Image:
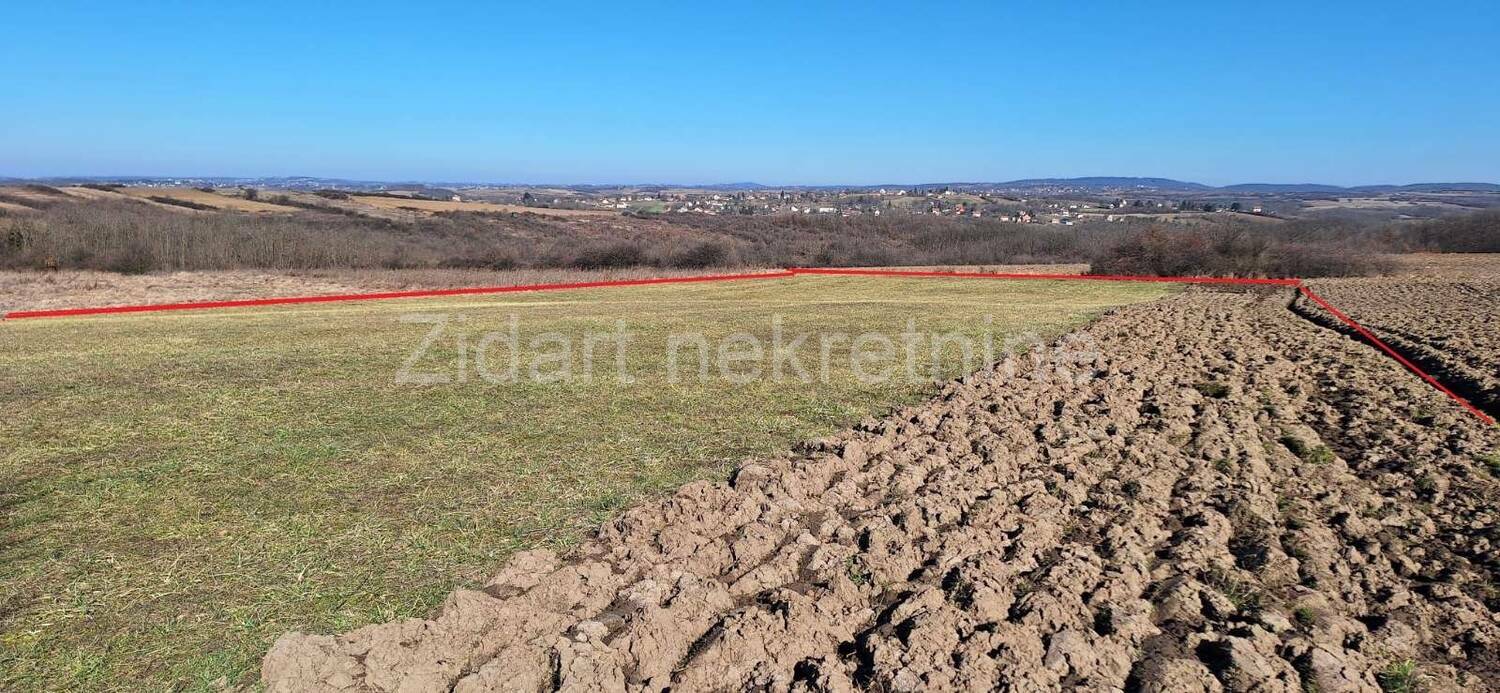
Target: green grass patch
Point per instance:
(1491, 461)
(1319, 454)
(180, 489)
(1214, 390)
(1246, 597)
(1398, 677)
(1305, 617)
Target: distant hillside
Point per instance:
(1273, 188)
(1444, 187)
(1096, 184)
(1282, 188)
(1103, 183)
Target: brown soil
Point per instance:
(1230, 498)
(1447, 265)
(1445, 326)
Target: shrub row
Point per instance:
(128, 236)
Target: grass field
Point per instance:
(473, 206)
(181, 488)
(211, 199)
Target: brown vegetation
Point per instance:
(1238, 252)
(1471, 233)
(205, 199)
(149, 231)
(424, 205)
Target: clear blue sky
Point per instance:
(1330, 91)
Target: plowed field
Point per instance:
(1222, 496)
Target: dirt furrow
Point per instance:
(1209, 494)
(1444, 326)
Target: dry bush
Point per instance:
(714, 253)
(1471, 233)
(1238, 251)
(612, 255)
(130, 236)
(900, 240)
(127, 236)
(178, 202)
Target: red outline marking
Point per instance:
(1394, 354)
(783, 274)
(61, 312)
(1296, 283)
(1065, 277)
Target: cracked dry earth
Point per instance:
(1216, 495)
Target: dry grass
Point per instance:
(92, 193)
(211, 199)
(122, 193)
(434, 206)
(90, 289)
(1060, 268)
(181, 489)
(32, 196)
(119, 194)
(1379, 203)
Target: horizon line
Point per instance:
(744, 183)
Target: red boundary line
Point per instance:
(477, 290)
(428, 293)
(1394, 354)
(790, 272)
(1063, 277)
(1295, 283)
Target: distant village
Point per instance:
(1046, 201)
(1051, 209)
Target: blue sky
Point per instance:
(791, 93)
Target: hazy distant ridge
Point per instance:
(1099, 184)
(1105, 183)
